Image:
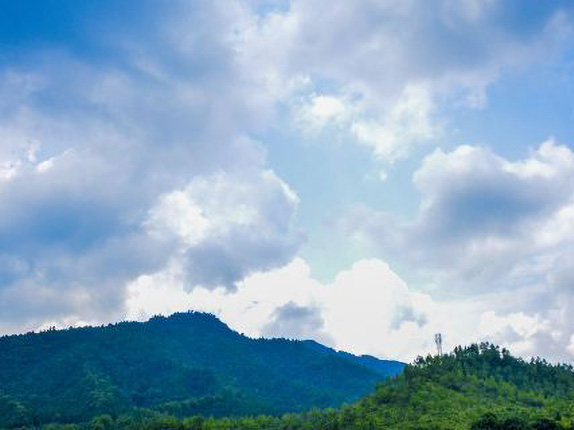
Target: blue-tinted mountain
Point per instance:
(386, 368)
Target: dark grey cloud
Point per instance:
(297, 322)
(223, 263)
(473, 192)
(407, 314)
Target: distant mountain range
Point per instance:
(185, 364)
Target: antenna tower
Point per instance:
(438, 341)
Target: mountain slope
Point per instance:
(185, 364)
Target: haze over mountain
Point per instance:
(185, 364)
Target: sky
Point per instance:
(364, 173)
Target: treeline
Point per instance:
(492, 422)
(314, 420)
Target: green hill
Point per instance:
(182, 365)
(479, 387)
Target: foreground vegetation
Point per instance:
(479, 387)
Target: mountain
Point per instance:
(188, 371)
(480, 387)
(185, 364)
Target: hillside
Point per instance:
(479, 387)
(182, 365)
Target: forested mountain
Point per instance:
(186, 371)
(186, 364)
(475, 388)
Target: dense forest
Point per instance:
(480, 387)
(191, 372)
(183, 365)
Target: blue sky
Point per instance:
(361, 173)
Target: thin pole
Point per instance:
(438, 341)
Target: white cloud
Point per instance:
(125, 170)
(321, 110)
(366, 309)
(484, 221)
(89, 146)
(406, 123)
(394, 65)
(389, 133)
(228, 226)
(523, 325)
(487, 225)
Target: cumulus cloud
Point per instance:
(100, 147)
(294, 321)
(491, 225)
(392, 63)
(366, 309)
(228, 227)
(482, 217)
(379, 73)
